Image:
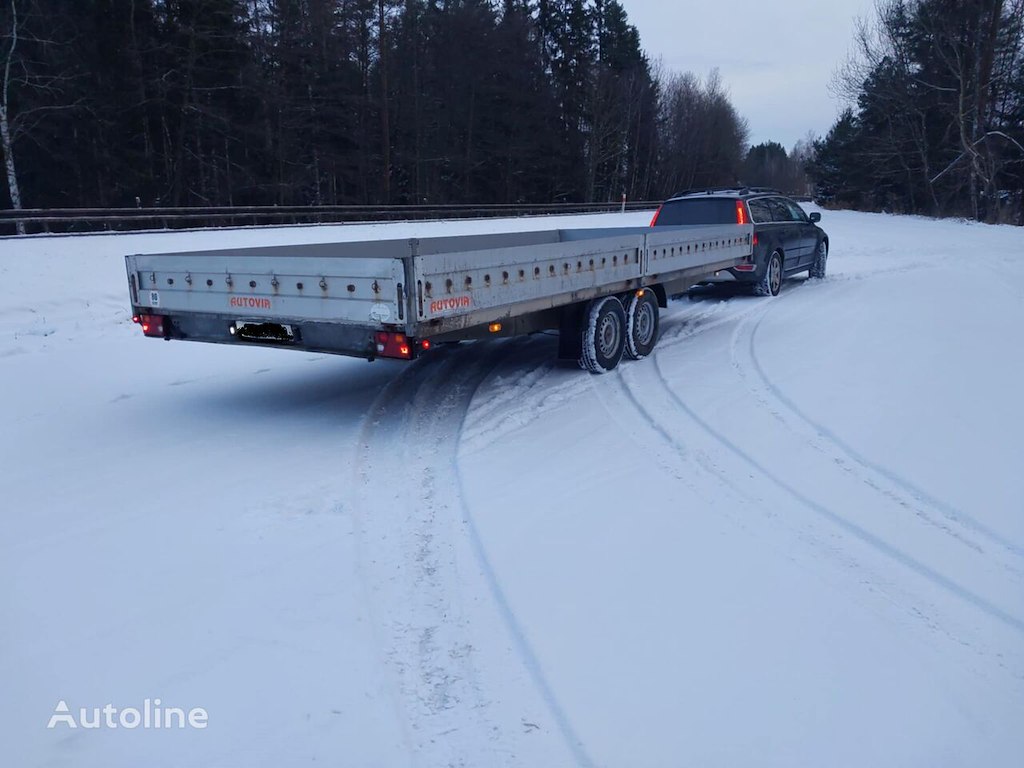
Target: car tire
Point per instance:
(817, 269)
(641, 325)
(603, 335)
(771, 283)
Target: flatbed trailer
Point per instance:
(600, 288)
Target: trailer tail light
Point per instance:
(394, 345)
(425, 345)
(657, 213)
(152, 325)
(741, 213)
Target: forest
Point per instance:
(936, 122)
(310, 102)
(338, 102)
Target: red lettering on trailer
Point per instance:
(446, 305)
(249, 302)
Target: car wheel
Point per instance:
(604, 335)
(771, 283)
(820, 260)
(641, 325)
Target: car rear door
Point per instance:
(805, 231)
(787, 231)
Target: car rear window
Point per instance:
(716, 210)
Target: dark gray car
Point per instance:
(787, 240)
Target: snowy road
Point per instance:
(793, 536)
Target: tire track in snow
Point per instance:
(878, 544)
(412, 521)
(621, 395)
(530, 389)
(902, 492)
(651, 404)
(574, 744)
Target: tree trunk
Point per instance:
(12, 174)
(385, 117)
(5, 126)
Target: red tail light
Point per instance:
(394, 345)
(152, 325)
(754, 242)
(657, 213)
(741, 213)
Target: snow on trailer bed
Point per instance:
(792, 536)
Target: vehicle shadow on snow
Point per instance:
(344, 389)
(728, 289)
(333, 388)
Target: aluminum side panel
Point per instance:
(467, 282)
(670, 249)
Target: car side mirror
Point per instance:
(815, 217)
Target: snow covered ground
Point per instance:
(794, 536)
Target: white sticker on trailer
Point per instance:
(380, 313)
(154, 298)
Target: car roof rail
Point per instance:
(739, 190)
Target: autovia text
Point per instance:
(249, 302)
(447, 305)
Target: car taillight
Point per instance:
(152, 325)
(741, 213)
(657, 213)
(754, 241)
(394, 345)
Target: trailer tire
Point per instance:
(641, 324)
(603, 335)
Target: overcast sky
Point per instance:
(776, 58)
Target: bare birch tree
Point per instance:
(5, 123)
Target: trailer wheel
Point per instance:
(604, 335)
(641, 324)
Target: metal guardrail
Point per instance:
(84, 220)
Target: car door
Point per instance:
(806, 232)
(787, 231)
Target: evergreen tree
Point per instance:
(837, 168)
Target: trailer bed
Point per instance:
(337, 297)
